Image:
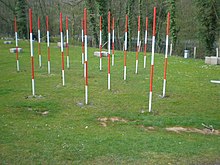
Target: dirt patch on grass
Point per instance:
(104, 120)
(204, 131)
(148, 128)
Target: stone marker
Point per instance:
(59, 44)
(213, 60)
(104, 54)
(13, 50)
(7, 42)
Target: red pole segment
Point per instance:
(32, 52)
(16, 44)
(113, 42)
(39, 46)
(138, 45)
(100, 41)
(145, 43)
(67, 44)
(166, 54)
(86, 59)
(109, 43)
(62, 53)
(48, 44)
(125, 46)
(152, 61)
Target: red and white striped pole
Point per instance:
(67, 45)
(152, 61)
(32, 52)
(86, 62)
(138, 45)
(16, 44)
(39, 46)
(100, 41)
(61, 47)
(145, 43)
(48, 45)
(109, 43)
(83, 42)
(113, 41)
(125, 47)
(166, 54)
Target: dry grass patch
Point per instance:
(204, 131)
(104, 120)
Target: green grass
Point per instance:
(72, 134)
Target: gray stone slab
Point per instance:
(59, 44)
(213, 60)
(7, 42)
(13, 50)
(218, 61)
(104, 54)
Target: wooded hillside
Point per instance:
(193, 22)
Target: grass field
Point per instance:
(115, 128)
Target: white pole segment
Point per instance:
(33, 87)
(100, 37)
(100, 63)
(48, 40)
(109, 81)
(136, 69)
(31, 44)
(145, 59)
(48, 67)
(61, 36)
(164, 87)
(82, 48)
(113, 38)
(167, 43)
(86, 94)
(138, 39)
(38, 32)
(125, 72)
(18, 65)
(153, 50)
(86, 48)
(109, 43)
(145, 43)
(16, 39)
(126, 38)
(63, 77)
(145, 37)
(150, 101)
